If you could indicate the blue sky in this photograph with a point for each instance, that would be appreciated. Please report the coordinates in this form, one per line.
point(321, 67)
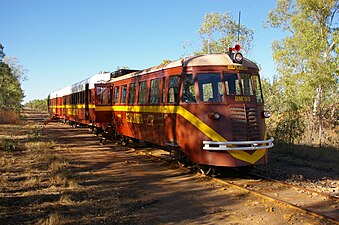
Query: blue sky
point(60, 42)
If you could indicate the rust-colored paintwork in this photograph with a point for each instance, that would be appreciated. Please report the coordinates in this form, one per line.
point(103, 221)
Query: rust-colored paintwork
point(182, 126)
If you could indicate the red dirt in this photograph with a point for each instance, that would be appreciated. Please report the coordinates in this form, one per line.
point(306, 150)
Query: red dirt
point(120, 185)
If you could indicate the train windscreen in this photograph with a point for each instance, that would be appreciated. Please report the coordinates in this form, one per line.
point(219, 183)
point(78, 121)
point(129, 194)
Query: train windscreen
point(210, 87)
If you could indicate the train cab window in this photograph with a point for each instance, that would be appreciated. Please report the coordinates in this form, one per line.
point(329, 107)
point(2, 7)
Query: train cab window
point(232, 84)
point(103, 95)
point(131, 97)
point(173, 89)
point(123, 94)
point(188, 94)
point(116, 94)
point(154, 93)
point(142, 92)
point(210, 87)
point(258, 93)
point(246, 84)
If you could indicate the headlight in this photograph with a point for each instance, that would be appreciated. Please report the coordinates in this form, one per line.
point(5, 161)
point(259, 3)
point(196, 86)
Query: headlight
point(266, 114)
point(214, 115)
point(237, 57)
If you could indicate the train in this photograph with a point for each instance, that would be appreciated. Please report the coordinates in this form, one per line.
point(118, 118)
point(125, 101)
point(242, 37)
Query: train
point(207, 109)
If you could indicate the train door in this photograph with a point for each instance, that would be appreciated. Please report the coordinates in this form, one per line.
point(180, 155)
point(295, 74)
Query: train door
point(103, 103)
point(86, 102)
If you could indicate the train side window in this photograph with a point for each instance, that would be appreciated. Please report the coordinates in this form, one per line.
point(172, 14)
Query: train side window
point(131, 97)
point(163, 89)
point(188, 94)
point(142, 92)
point(123, 93)
point(210, 87)
point(116, 94)
point(154, 92)
point(258, 92)
point(232, 84)
point(246, 84)
point(173, 89)
point(103, 95)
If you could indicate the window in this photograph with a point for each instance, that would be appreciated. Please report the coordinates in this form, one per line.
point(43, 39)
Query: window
point(246, 84)
point(210, 87)
point(188, 94)
point(103, 95)
point(131, 97)
point(258, 93)
point(232, 84)
point(81, 97)
point(163, 89)
point(123, 94)
point(155, 95)
point(142, 92)
point(116, 95)
point(90, 97)
point(173, 89)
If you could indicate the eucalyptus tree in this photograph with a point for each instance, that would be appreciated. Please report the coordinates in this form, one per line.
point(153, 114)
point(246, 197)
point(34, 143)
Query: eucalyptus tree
point(11, 93)
point(307, 58)
point(219, 31)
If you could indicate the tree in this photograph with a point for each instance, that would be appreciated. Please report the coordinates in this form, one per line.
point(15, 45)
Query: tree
point(18, 70)
point(11, 94)
point(2, 54)
point(38, 104)
point(307, 58)
point(219, 32)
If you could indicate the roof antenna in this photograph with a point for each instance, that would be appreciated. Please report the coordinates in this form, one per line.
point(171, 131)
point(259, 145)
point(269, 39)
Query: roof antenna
point(239, 26)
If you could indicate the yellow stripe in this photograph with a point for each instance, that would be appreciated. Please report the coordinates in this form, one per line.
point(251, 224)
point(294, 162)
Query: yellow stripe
point(204, 128)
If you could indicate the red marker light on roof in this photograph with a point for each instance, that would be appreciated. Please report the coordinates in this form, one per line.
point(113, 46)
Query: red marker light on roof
point(237, 47)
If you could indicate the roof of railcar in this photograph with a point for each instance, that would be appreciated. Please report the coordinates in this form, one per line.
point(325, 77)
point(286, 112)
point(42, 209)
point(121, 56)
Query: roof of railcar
point(192, 61)
point(80, 86)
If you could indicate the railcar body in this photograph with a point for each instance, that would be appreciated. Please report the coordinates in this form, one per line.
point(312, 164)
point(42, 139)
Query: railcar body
point(208, 108)
point(76, 103)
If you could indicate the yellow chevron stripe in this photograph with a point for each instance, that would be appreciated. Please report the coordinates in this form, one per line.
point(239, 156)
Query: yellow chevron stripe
point(204, 128)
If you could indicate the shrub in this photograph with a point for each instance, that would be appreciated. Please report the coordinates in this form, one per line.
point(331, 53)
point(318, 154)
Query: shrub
point(9, 117)
point(8, 144)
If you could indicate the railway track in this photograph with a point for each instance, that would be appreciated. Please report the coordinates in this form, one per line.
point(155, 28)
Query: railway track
point(305, 201)
point(316, 204)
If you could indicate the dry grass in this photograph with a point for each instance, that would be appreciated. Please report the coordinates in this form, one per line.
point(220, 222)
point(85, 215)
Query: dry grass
point(9, 117)
point(30, 167)
point(65, 200)
point(53, 219)
point(319, 158)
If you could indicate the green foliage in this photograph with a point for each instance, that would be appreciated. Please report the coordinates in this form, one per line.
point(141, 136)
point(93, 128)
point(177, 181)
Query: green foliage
point(288, 128)
point(11, 93)
point(219, 32)
point(38, 104)
point(165, 61)
point(2, 54)
point(307, 63)
point(8, 144)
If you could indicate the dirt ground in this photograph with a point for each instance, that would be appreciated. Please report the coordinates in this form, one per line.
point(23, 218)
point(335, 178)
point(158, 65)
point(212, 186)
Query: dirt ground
point(68, 178)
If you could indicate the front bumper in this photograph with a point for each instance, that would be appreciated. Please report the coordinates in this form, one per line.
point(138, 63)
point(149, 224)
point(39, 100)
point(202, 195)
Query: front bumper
point(238, 145)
